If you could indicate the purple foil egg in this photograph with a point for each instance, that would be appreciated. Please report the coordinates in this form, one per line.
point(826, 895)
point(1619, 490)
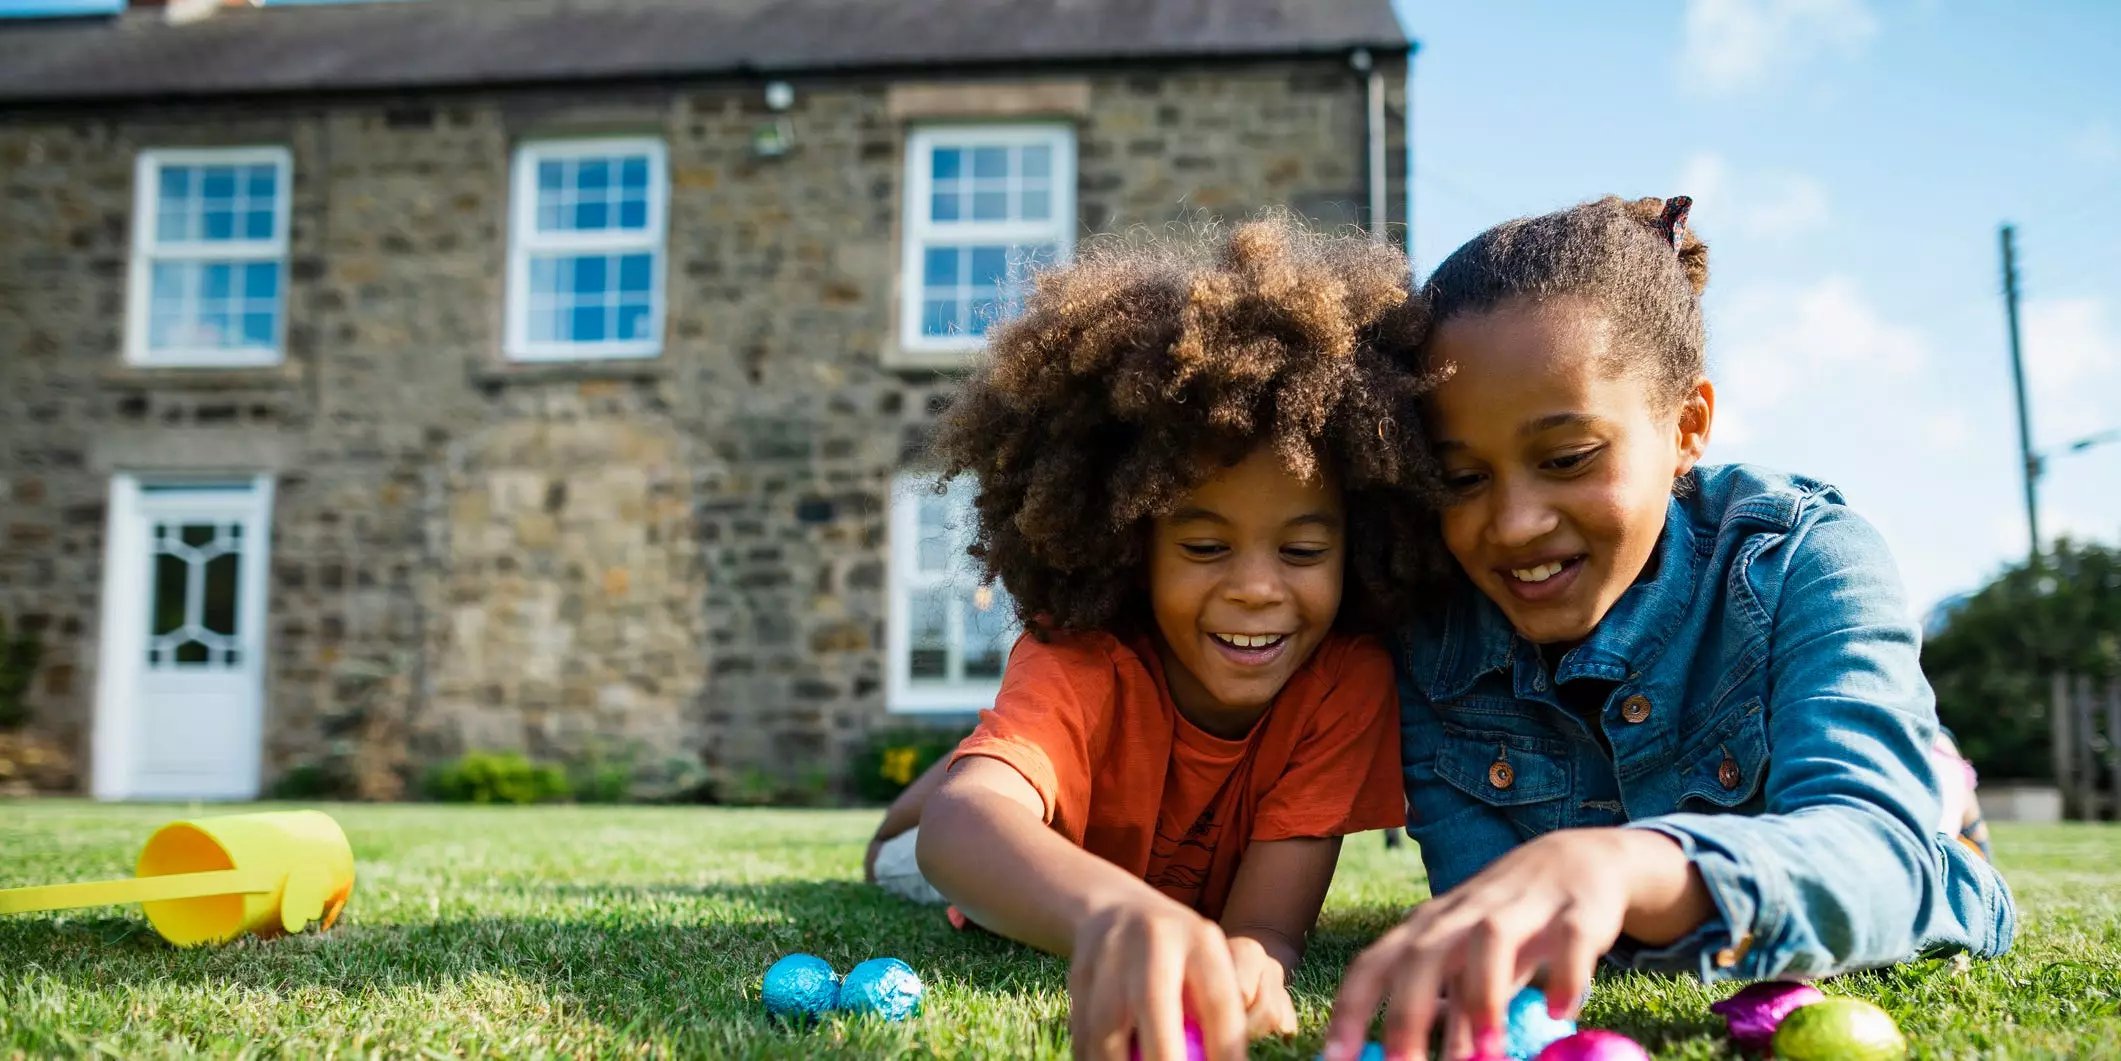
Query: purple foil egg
point(1755, 1012)
point(1594, 1044)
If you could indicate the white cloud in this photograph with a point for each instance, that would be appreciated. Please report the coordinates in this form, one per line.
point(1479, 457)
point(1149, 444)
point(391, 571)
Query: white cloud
point(1735, 44)
point(1770, 340)
point(2073, 366)
point(1771, 204)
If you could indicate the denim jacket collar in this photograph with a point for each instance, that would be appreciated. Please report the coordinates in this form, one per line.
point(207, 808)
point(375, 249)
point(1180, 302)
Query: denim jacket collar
point(1478, 639)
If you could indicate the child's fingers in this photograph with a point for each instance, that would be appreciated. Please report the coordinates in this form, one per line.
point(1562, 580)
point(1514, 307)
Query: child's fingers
point(1362, 987)
point(1218, 1006)
point(1156, 977)
point(1569, 968)
point(1097, 1017)
point(1490, 973)
point(1412, 1011)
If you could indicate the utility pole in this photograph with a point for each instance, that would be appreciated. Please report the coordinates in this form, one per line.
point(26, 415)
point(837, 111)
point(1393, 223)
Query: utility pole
point(2030, 460)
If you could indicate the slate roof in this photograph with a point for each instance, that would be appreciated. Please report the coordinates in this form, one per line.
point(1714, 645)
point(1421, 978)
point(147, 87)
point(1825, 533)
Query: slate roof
point(458, 43)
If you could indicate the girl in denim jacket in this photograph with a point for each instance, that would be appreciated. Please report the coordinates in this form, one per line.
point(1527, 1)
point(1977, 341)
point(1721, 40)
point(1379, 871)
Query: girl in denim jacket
point(1675, 714)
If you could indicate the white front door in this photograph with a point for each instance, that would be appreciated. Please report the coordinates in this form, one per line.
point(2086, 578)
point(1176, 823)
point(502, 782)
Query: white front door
point(182, 709)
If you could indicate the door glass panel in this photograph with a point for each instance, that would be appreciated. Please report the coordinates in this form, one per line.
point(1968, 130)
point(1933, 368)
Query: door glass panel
point(220, 605)
point(172, 574)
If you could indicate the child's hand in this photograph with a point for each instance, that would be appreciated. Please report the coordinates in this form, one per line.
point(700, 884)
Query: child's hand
point(1139, 969)
point(1261, 983)
point(1557, 903)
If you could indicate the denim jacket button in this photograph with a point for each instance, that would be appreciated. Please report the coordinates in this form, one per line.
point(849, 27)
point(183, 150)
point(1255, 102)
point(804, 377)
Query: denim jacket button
point(1729, 956)
point(1728, 775)
point(1500, 775)
point(1635, 708)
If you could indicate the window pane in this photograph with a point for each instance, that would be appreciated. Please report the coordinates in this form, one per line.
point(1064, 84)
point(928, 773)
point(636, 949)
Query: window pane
point(257, 224)
point(989, 615)
point(218, 182)
point(218, 223)
point(990, 266)
point(197, 534)
point(943, 206)
point(261, 185)
point(589, 277)
point(172, 574)
point(1037, 204)
point(257, 329)
point(261, 280)
point(587, 324)
point(174, 223)
point(594, 174)
point(929, 636)
point(591, 215)
point(1037, 162)
point(634, 173)
point(633, 323)
point(939, 267)
point(637, 273)
point(939, 316)
point(175, 186)
point(990, 162)
point(633, 213)
point(936, 535)
point(990, 205)
point(980, 314)
point(550, 176)
point(216, 280)
point(219, 613)
point(194, 652)
point(948, 162)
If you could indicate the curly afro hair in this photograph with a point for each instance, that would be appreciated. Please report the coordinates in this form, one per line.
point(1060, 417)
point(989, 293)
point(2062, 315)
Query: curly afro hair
point(1143, 366)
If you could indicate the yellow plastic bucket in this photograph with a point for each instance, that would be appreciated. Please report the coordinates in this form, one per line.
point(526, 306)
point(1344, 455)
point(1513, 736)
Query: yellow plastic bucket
point(213, 879)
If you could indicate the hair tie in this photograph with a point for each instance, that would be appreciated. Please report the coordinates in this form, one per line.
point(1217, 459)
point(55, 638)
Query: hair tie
point(1673, 221)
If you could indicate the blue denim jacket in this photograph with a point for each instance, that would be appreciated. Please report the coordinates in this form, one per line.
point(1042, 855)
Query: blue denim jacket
point(1768, 713)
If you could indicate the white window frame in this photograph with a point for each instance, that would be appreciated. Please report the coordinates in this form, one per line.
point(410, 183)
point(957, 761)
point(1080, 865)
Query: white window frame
point(915, 348)
point(148, 249)
point(524, 241)
point(903, 578)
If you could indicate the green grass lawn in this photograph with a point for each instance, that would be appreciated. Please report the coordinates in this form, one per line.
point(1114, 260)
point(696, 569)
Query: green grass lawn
point(603, 931)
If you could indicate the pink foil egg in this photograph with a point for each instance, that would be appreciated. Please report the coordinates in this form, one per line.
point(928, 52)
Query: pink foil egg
point(1196, 1046)
point(1594, 1044)
point(1755, 1012)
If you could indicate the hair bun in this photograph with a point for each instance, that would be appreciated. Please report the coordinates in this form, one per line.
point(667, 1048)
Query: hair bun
point(1668, 218)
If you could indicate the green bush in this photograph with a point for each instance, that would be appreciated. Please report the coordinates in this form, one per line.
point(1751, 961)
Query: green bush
point(19, 656)
point(490, 777)
point(893, 758)
point(1992, 663)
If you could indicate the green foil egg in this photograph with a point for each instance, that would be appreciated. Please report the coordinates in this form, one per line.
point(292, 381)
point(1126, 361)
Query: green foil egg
point(1839, 1029)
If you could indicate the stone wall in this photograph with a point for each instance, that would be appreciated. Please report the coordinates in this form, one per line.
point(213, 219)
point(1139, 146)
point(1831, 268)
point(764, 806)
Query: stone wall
point(687, 552)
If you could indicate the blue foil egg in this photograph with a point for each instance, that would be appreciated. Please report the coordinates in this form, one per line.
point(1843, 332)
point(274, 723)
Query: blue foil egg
point(800, 988)
point(886, 987)
point(1531, 1029)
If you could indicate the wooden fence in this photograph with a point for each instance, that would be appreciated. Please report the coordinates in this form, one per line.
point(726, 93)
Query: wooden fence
point(2086, 722)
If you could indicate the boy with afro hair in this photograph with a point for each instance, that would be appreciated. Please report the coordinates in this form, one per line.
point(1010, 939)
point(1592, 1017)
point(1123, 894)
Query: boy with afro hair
point(1200, 478)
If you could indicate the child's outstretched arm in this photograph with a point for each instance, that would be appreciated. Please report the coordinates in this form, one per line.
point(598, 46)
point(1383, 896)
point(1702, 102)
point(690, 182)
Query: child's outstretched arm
point(1273, 903)
point(1137, 959)
point(904, 812)
point(1842, 870)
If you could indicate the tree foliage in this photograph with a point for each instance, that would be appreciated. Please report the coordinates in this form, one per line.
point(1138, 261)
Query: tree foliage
point(1993, 662)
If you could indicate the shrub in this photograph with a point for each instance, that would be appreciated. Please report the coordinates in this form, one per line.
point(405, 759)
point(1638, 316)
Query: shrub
point(490, 777)
point(1997, 651)
point(19, 656)
point(893, 758)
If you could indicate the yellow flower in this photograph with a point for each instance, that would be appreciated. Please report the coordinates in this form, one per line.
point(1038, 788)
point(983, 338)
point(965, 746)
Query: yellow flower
point(899, 763)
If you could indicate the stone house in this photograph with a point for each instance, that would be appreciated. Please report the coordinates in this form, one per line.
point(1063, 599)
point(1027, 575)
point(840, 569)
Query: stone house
point(380, 381)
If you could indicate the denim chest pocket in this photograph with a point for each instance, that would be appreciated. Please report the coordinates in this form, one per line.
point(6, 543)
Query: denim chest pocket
point(1725, 767)
point(1527, 778)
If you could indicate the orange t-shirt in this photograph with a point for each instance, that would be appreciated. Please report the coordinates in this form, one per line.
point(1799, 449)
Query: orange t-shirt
point(1088, 720)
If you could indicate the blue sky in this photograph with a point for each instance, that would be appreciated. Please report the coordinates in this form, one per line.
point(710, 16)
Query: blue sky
point(1850, 162)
